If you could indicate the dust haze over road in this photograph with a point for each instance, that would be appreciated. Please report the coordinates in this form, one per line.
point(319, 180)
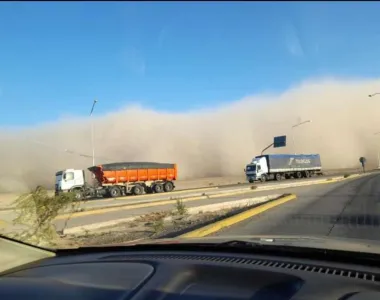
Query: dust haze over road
point(214, 142)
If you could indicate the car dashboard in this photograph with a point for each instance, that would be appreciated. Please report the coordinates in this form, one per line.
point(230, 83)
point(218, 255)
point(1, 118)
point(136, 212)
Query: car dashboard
point(187, 275)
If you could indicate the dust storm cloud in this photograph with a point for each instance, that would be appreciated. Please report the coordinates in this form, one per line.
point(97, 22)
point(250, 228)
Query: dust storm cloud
point(213, 142)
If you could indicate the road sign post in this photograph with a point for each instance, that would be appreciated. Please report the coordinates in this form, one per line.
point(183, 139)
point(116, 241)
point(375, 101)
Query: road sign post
point(278, 141)
point(363, 161)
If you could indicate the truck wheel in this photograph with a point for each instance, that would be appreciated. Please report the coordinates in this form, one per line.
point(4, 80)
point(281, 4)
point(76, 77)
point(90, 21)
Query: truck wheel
point(114, 192)
point(299, 175)
point(78, 194)
point(168, 186)
point(263, 178)
point(278, 177)
point(138, 190)
point(307, 174)
point(158, 188)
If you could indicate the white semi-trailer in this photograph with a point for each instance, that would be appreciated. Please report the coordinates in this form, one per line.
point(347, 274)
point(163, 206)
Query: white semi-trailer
point(283, 166)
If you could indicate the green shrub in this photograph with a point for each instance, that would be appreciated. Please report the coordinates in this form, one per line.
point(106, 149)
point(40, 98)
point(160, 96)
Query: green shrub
point(180, 207)
point(37, 211)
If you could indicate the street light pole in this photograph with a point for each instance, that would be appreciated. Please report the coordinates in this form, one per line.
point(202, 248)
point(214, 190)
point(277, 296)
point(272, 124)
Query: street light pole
point(294, 126)
point(92, 132)
point(59, 149)
point(376, 133)
point(378, 153)
point(374, 94)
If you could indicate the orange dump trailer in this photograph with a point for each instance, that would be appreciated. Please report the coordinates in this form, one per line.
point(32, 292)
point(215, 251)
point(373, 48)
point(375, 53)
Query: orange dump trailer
point(135, 177)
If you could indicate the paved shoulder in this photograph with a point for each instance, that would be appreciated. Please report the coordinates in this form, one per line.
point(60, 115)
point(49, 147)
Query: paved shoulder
point(348, 209)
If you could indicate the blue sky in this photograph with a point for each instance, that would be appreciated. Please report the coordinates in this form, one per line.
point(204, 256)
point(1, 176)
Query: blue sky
point(56, 57)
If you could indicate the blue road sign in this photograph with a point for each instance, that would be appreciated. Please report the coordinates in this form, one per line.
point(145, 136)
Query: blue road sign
point(279, 141)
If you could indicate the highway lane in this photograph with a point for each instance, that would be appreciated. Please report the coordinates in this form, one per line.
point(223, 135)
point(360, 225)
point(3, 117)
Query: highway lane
point(105, 202)
point(126, 212)
point(99, 203)
point(120, 213)
point(349, 209)
point(101, 214)
point(197, 187)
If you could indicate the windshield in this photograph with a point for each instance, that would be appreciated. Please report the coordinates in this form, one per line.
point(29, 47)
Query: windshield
point(251, 168)
point(129, 121)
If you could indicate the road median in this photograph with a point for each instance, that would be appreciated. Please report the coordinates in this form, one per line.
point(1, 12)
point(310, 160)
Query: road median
point(169, 215)
point(173, 223)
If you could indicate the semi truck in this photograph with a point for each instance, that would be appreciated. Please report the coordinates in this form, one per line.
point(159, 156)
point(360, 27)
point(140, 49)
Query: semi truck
point(283, 166)
point(118, 179)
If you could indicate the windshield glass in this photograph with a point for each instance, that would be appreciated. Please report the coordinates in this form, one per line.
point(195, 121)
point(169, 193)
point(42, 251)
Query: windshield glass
point(108, 105)
point(251, 168)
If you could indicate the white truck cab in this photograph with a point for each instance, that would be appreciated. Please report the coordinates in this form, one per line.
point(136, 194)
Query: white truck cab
point(283, 166)
point(256, 169)
point(68, 179)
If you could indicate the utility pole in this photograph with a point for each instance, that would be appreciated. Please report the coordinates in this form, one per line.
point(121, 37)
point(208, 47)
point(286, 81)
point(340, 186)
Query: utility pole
point(92, 132)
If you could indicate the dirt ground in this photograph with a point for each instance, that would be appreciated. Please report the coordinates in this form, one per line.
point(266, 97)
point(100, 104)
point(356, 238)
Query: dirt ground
point(164, 224)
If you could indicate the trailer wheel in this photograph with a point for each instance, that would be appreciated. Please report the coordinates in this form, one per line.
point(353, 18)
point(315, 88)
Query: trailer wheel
point(114, 192)
point(299, 175)
point(278, 177)
point(168, 186)
point(307, 174)
point(158, 188)
point(148, 190)
point(138, 190)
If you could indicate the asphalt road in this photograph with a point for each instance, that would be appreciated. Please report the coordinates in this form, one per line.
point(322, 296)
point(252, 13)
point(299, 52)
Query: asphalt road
point(126, 212)
point(99, 203)
point(350, 209)
point(194, 188)
point(92, 217)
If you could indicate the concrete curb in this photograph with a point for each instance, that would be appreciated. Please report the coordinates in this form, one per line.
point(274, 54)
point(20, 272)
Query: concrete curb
point(171, 193)
point(3, 224)
point(192, 211)
point(229, 204)
point(214, 227)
